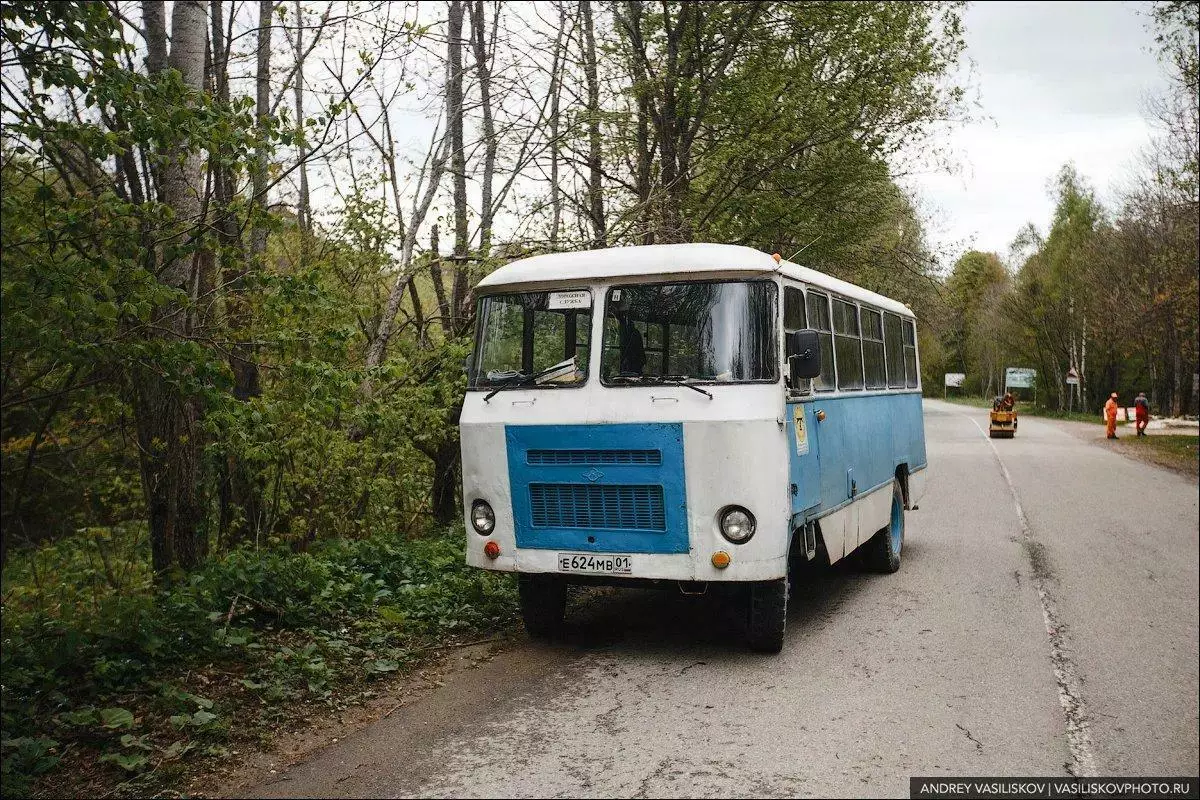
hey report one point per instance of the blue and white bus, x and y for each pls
(687, 414)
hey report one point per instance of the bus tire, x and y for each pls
(767, 615)
(543, 604)
(883, 550)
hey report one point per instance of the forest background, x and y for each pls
(239, 242)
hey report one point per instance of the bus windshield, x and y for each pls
(523, 335)
(706, 331)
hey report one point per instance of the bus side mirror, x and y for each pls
(803, 355)
(467, 362)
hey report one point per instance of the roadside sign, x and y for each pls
(955, 379)
(1019, 378)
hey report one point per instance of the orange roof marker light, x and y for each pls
(776, 256)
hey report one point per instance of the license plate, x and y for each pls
(590, 562)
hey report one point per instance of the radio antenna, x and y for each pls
(802, 249)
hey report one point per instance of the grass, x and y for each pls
(1179, 453)
(114, 687)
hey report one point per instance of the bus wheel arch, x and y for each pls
(881, 553)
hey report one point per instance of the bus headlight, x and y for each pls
(737, 524)
(483, 519)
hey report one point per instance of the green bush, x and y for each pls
(99, 666)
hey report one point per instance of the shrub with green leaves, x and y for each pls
(100, 669)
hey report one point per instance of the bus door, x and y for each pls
(804, 473)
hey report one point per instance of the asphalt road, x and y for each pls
(1043, 622)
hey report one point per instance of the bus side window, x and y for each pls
(794, 319)
(848, 345)
(894, 345)
(910, 354)
(818, 320)
(872, 332)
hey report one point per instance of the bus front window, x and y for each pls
(702, 330)
(521, 335)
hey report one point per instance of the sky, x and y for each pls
(1057, 82)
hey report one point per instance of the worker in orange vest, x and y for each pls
(1110, 414)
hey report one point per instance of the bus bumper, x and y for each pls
(644, 566)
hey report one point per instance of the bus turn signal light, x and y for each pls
(721, 559)
(491, 550)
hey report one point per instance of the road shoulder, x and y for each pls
(1177, 454)
(265, 770)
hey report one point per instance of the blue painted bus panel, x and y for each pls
(803, 457)
(598, 488)
(858, 445)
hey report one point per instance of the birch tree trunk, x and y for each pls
(302, 205)
(258, 231)
(435, 275)
(436, 166)
(458, 161)
(168, 415)
(595, 187)
(483, 74)
(556, 68)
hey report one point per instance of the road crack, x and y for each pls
(1079, 740)
(967, 733)
(657, 773)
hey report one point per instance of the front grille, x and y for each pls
(566, 505)
(574, 457)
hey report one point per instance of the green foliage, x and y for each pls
(1113, 298)
(976, 332)
(98, 672)
(793, 134)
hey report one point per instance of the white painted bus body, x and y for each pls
(739, 447)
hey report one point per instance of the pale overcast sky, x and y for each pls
(1057, 82)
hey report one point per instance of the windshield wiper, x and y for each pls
(665, 380)
(508, 383)
(521, 379)
(682, 380)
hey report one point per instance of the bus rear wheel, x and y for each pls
(767, 615)
(543, 604)
(883, 551)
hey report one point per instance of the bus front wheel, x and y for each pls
(767, 617)
(543, 604)
(883, 551)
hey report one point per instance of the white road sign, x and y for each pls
(1019, 378)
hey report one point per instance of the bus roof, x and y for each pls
(677, 260)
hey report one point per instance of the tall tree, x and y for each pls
(303, 203)
(484, 46)
(595, 179)
(458, 159)
(170, 437)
